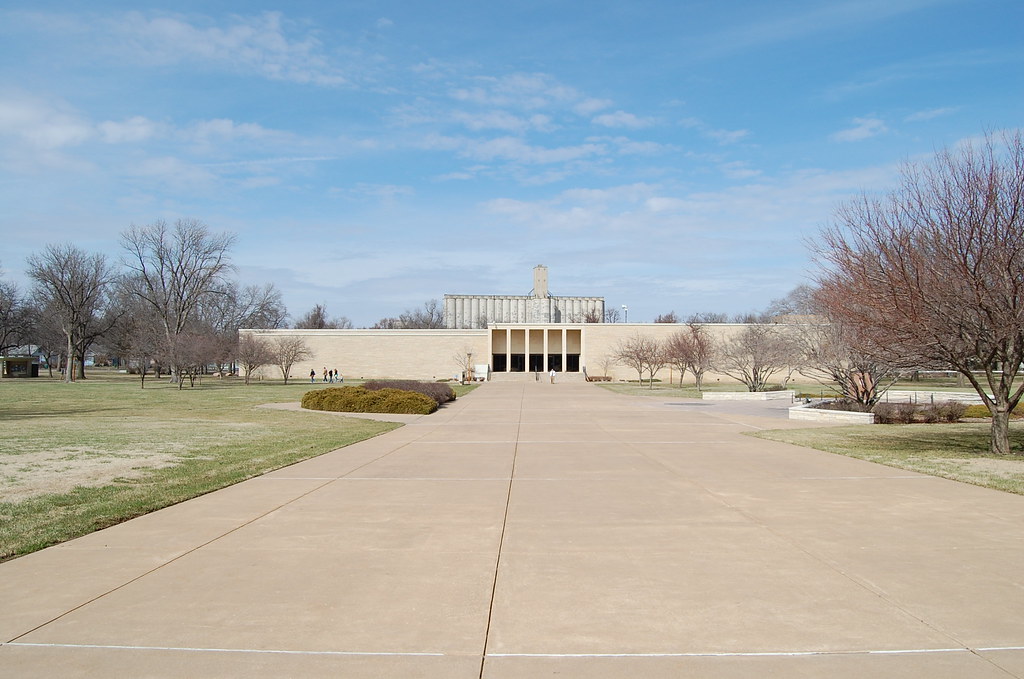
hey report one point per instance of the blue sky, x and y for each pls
(373, 155)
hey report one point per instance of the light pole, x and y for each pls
(625, 313)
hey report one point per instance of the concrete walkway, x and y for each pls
(533, 530)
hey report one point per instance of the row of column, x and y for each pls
(526, 347)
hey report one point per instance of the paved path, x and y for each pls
(534, 530)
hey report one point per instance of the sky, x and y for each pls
(369, 156)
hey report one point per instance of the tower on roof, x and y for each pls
(540, 281)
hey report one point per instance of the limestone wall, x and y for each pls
(430, 354)
(399, 354)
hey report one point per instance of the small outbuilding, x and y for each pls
(19, 366)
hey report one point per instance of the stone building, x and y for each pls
(507, 337)
(539, 307)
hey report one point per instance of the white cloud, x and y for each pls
(626, 146)
(386, 193)
(510, 149)
(621, 119)
(42, 125)
(591, 106)
(738, 170)
(727, 136)
(722, 136)
(255, 44)
(780, 23)
(135, 129)
(863, 128)
(921, 116)
(525, 91)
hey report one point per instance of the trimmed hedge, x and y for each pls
(442, 393)
(362, 400)
(982, 411)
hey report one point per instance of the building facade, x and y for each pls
(507, 349)
(503, 335)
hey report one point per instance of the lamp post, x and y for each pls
(625, 312)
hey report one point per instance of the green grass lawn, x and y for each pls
(79, 457)
(953, 451)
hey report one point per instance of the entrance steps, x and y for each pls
(537, 377)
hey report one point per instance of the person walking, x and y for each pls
(312, 376)
(552, 376)
(325, 373)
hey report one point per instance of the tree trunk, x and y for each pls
(69, 365)
(1000, 433)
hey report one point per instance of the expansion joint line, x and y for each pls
(501, 539)
(195, 549)
(820, 558)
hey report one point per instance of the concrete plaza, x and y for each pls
(533, 530)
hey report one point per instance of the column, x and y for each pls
(565, 363)
(508, 350)
(547, 368)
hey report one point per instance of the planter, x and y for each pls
(926, 397)
(748, 395)
(804, 411)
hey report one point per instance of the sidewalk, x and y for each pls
(532, 530)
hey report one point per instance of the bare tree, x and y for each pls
(691, 349)
(829, 359)
(464, 359)
(317, 319)
(932, 274)
(708, 317)
(175, 272)
(591, 316)
(670, 317)
(606, 362)
(431, 315)
(798, 302)
(643, 354)
(754, 355)
(74, 285)
(48, 337)
(287, 352)
(252, 354)
(612, 315)
(15, 317)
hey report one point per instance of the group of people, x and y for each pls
(330, 376)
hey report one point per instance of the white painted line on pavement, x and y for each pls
(750, 654)
(223, 650)
(709, 654)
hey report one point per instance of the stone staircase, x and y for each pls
(574, 378)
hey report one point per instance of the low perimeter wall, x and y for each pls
(747, 395)
(804, 411)
(926, 397)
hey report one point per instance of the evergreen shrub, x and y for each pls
(362, 400)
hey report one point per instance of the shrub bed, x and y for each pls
(362, 400)
(982, 411)
(903, 413)
(441, 393)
